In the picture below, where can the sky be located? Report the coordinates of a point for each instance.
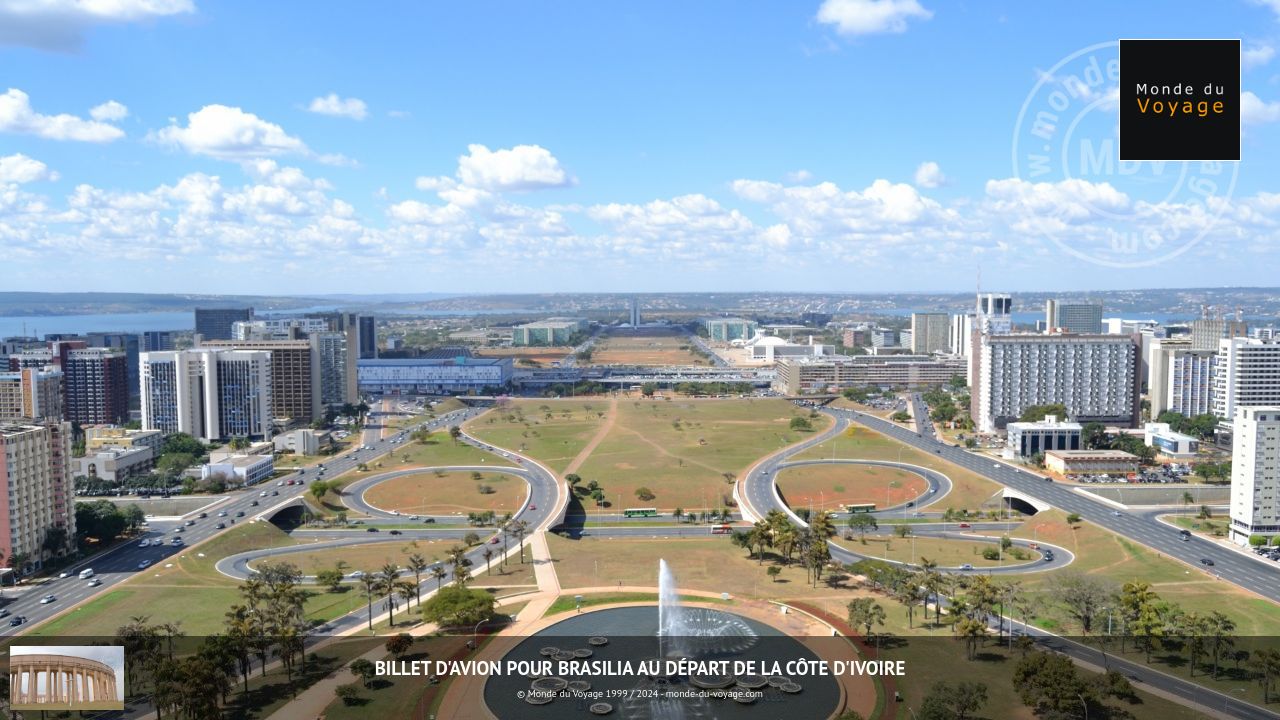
(813, 145)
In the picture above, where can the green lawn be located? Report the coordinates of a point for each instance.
(552, 431)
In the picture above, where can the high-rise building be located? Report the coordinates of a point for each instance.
(960, 334)
(1180, 379)
(280, 328)
(128, 343)
(95, 385)
(1255, 473)
(1207, 332)
(330, 351)
(884, 337)
(1247, 375)
(930, 333)
(31, 394)
(295, 377)
(368, 337)
(1083, 318)
(215, 323)
(210, 393)
(348, 324)
(157, 341)
(992, 315)
(37, 496)
(635, 312)
(1094, 376)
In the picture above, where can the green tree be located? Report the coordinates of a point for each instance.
(397, 645)
(865, 613)
(645, 494)
(801, 424)
(458, 607)
(1093, 436)
(1036, 413)
(331, 579)
(364, 670)
(347, 693)
(773, 571)
(948, 701)
(455, 433)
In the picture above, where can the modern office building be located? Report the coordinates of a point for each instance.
(1180, 379)
(128, 343)
(31, 394)
(114, 464)
(884, 337)
(212, 394)
(36, 494)
(434, 376)
(277, 328)
(635, 312)
(802, 376)
(368, 337)
(1073, 317)
(295, 377)
(960, 334)
(549, 332)
(157, 341)
(1255, 473)
(729, 329)
(1094, 376)
(1247, 375)
(303, 441)
(216, 323)
(930, 333)
(333, 365)
(1207, 333)
(1167, 442)
(95, 386)
(771, 348)
(243, 470)
(1121, 326)
(855, 337)
(1028, 438)
(348, 324)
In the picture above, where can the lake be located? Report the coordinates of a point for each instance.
(38, 326)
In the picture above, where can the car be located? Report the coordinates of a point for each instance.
(372, 529)
(176, 542)
(17, 620)
(253, 503)
(275, 493)
(495, 540)
(179, 529)
(1206, 562)
(95, 582)
(64, 574)
(48, 599)
(357, 574)
(395, 532)
(4, 613)
(279, 483)
(144, 564)
(966, 566)
(203, 515)
(911, 503)
(1048, 557)
(144, 543)
(222, 514)
(1116, 513)
(1185, 538)
(964, 526)
(428, 520)
(239, 513)
(220, 526)
(995, 465)
(302, 471)
(262, 494)
(189, 523)
(532, 506)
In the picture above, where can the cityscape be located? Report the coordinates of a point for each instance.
(646, 361)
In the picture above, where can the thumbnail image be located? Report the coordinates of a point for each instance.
(66, 677)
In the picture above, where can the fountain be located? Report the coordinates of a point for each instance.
(673, 626)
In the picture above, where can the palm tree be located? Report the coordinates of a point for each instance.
(407, 592)
(439, 573)
(488, 555)
(370, 583)
(519, 528)
(823, 523)
(387, 578)
(417, 564)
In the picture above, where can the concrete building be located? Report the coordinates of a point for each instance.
(97, 437)
(960, 334)
(730, 329)
(209, 393)
(31, 394)
(303, 441)
(1121, 326)
(1028, 438)
(1094, 376)
(1167, 442)
(1255, 473)
(95, 386)
(884, 337)
(930, 333)
(992, 315)
(245, 470)
(549, 332)
(771, 348)
(1073, 317)
(295, 377)
(115, 464)
(368, 337)
(216, 323)
(36, 496)
(1180, 379)
(855, 337)
(156, 341)
(635, 312)
(1247, 375)
(1207, 333)
(128, 343)
(1071, 463)
(801, 376)
(431, 376)
(277, 328)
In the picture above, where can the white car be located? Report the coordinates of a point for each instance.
(145, 543)
(47, 599)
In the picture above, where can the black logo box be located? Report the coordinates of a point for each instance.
(1187, 69)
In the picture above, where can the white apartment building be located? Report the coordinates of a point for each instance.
(1255, 473)
(961, 334)
(1180, 379)
(1247, 375)
(212, 394)
(37, 494)
(1094, 376)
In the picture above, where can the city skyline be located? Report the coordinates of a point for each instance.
(733, 147)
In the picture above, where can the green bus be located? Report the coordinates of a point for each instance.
(640, 512)
(861, 508)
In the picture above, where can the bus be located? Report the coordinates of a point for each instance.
(721, 529)
(861, 508)
(640, 512)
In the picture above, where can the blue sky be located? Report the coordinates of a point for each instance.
(853, 145)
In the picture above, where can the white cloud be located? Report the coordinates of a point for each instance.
(929, 175)
(1274, 5)
(1256, 56)
(1066, 201)
(798, 176)
(230, 133)
(420, 213)
(109, 111)
(523, 167)
(333, 105)
(868, 17)
(60, 24)
(20, 169)
(17, 116)
(1256, 111)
